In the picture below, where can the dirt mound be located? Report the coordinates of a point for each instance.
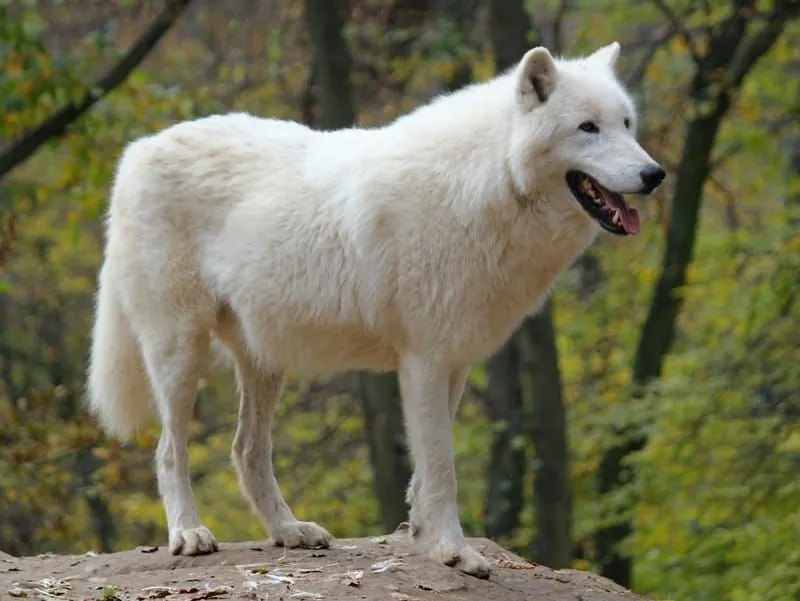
(375, 569)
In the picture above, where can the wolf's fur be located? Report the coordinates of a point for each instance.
(415, 247)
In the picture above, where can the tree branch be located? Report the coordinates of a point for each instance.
(677, 25)
(57, 123)
(638, 73)
(761, 41)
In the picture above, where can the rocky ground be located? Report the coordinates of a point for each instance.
(374, 569)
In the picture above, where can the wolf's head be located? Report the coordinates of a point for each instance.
(573, 137)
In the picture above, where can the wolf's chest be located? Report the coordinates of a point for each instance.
(493, 300)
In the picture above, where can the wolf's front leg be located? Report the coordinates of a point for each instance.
(434, 523)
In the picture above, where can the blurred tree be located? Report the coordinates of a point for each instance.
(386, 442)
(723, 55)
(505, 474)
(41, 378)
(460, 15)
(548, 430)
(57, 123)
(531, 354)
(331, 62)
(509, 29)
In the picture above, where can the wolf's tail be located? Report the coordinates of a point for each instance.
(119, 389)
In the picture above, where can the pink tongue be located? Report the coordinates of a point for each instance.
(628, 215)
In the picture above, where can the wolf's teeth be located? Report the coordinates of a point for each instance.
(616, 219)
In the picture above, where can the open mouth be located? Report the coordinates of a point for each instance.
(605, 206)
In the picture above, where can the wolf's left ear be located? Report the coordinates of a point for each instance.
(536, 77)
(607, 55)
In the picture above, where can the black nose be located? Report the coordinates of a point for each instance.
(652, 175)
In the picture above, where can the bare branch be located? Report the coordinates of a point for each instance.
(761, 41)
(57, 123)
(677, 24)
(731, 216)
(637, 75)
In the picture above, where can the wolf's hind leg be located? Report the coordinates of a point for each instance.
(173, 359)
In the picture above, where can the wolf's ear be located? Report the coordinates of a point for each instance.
(606, 55)
(536, 77)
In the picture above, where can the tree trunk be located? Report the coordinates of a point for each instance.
(509, 26)
(504, 401)
(504, 495)
(732, 52)
(551, 490)
(386, 441)
(531, 353)
(331, 62)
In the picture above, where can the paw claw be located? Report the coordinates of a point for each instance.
(192, 541)
(463, 557)
(302, 535)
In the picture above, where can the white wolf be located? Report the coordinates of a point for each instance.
(415, 247)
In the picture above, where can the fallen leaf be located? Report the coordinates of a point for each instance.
(507, 562)
(353, 577)
(210, 593)
(386, 565)
(276, 577)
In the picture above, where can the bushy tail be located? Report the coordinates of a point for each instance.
(119, 389)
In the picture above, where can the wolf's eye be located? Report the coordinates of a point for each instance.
(627, 123)
(589, 127)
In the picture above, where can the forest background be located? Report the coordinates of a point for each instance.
(645, 425)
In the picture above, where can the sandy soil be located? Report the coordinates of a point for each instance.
(375, 569)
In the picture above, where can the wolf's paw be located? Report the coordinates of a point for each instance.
(192, 541)
(305, 535)
(462, 556)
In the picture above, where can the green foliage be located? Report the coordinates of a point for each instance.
(725, 443)
(716, 501)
